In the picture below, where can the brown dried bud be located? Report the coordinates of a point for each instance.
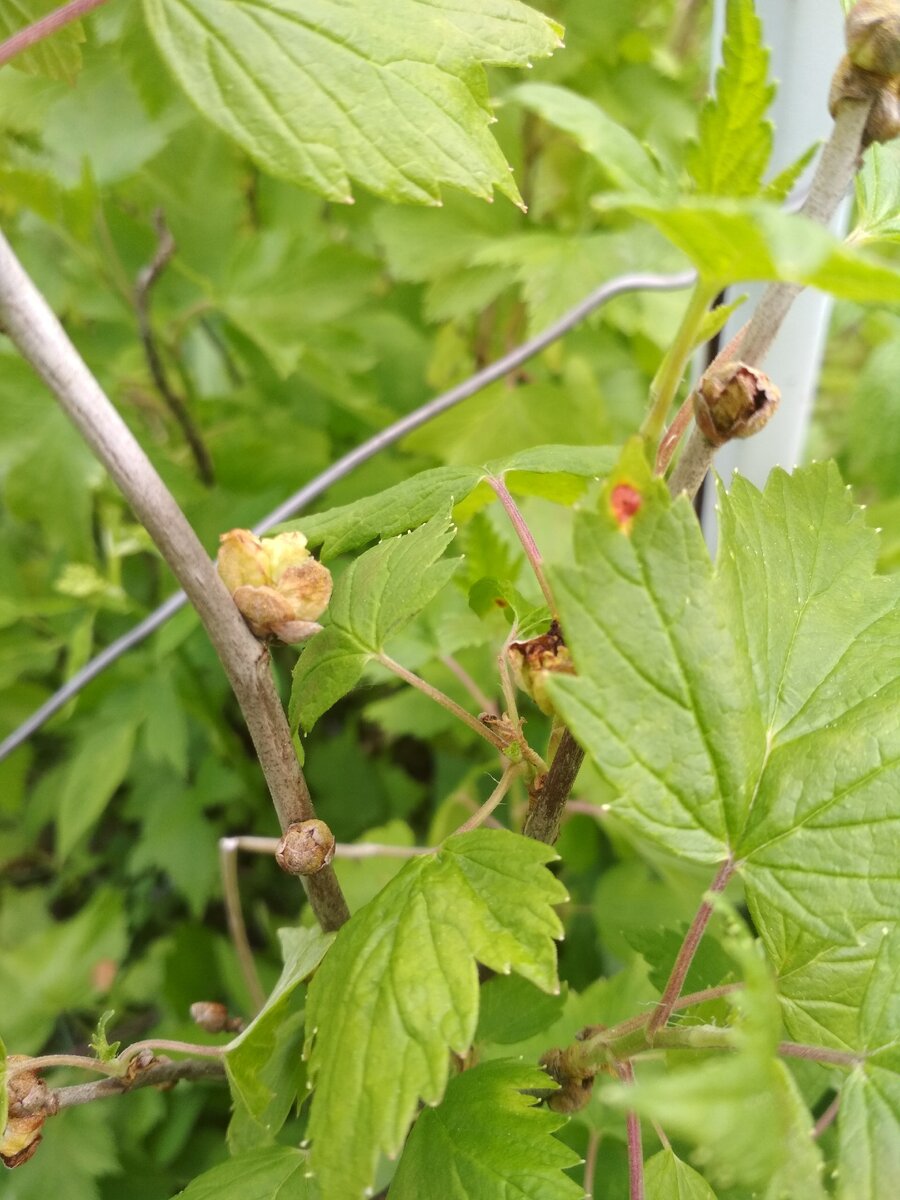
(28, 1093)
(734, 401)
(574, 1091)
(534, 661)
(278, 586)
(306, 848)
(853, 83)
(214, 1017)
(872, 30)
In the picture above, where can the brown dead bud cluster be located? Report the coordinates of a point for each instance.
(278, 586)
(534, 661)
(870, 70)
(306, 848)
(575, 1090)
(734, 401)
(22, 1135)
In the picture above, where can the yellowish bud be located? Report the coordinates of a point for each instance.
(278, 586)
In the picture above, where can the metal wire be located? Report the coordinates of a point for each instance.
(622, 284)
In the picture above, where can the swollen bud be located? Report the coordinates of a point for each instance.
(534, 661)
(872, 30)
(734, 401)
(306, 848)
(278, 586)
(30, 1103)
(214, 1017)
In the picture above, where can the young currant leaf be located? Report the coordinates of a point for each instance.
(878, 196)
(100, 1043)
(750, 714)
(274, 1173)
(730, 241)
(399, 989)
(544, 471)
(394, 97)
(619, 153)
(379, 593)
(261, 1064)
(735, 140)
(487, 1139)
(666, 1177)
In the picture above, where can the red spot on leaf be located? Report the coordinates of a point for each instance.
(625, 501)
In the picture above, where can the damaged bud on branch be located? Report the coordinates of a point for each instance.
(734, 401)
(870, 71)
(306, 848)
(278, 586)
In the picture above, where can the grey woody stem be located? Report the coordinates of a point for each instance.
(838, 165)
(32, 34)
(156, 1075)
(685, 957)
(550, 793)
(33, 328)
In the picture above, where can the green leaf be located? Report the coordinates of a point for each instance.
(275, 1173)
(869, 1132)
(91, 777)
(399, 988)
(619, 153)
(100, 1043)
(542, 471)
(262, 1064)
(732, 241)
(395, 98)
(56, 57)
(487, 1141)
(715, 320)
(735, 140)
(750, 714)
(512, 1009)
(666, 1177)
(378, 594)
(878, 196)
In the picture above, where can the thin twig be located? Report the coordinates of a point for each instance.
(840, 1058)
(827, 1117)
(479, 817)
(525, 536)
(443, 699)
(590, 1163)
(837, 166)
(549, 794)
(147, 277)
(484, 702)
(237, 927)
(635, 1141)
(158, 1074)
(688, 949)
(46, 26)
(39, 337)
(344, 466)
